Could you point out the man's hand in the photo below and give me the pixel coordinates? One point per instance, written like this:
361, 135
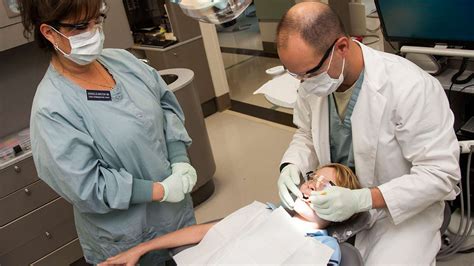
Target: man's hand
289, 178
337, 204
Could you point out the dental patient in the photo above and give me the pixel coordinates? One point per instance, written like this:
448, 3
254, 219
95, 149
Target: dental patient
324, 176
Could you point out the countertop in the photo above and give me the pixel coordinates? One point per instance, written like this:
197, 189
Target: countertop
16, 159
156, 48
185, 76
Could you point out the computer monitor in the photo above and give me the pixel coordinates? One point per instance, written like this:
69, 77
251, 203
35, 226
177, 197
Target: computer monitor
428, 22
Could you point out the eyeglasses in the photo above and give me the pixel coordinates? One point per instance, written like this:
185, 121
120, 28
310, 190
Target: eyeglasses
81, 26
314, 182
315, 69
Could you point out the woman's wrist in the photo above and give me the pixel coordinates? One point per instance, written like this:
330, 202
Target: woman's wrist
158, 191
141, 249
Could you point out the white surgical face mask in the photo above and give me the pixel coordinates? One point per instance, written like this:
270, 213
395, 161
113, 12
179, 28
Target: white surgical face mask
85, 47
322, 84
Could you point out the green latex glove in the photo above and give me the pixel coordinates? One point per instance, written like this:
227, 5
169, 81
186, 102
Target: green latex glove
188, 173
173, 187
288, 181
337, 204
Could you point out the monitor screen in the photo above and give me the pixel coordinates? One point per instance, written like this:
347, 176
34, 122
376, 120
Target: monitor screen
428, 21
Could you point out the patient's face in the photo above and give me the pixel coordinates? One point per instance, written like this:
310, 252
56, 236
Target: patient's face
317, 183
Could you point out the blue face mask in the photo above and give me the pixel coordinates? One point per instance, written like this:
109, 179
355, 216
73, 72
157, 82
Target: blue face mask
85, 47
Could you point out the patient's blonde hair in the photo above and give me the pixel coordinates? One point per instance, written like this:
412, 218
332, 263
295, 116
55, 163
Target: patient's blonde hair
344, 176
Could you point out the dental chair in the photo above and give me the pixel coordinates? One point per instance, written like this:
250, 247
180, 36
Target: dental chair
350, 256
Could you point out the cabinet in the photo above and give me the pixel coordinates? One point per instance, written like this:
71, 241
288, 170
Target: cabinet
191, 55
35, 221
61, 256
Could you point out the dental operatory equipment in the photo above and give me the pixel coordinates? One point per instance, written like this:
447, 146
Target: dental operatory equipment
213, 11
455, 241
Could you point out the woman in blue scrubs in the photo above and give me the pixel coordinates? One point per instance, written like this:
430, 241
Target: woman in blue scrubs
107, 134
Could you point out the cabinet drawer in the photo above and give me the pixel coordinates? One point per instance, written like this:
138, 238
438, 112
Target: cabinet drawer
25, 200
37, 234
41, 245
17, 176
64, 255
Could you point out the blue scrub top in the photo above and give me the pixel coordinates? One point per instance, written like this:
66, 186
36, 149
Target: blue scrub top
340, 132
103, 153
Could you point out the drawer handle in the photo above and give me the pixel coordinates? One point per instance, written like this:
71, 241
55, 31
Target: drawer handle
17, 168
27, 192
48, 235
175, 54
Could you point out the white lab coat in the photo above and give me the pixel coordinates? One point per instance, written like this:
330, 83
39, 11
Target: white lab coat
404, 144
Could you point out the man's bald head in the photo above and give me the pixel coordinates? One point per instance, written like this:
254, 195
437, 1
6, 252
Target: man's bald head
315, 23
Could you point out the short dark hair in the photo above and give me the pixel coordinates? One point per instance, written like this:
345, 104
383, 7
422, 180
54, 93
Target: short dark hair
318, 30
36, 12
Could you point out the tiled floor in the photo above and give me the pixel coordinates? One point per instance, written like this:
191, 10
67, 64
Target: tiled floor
247, 152
246, 77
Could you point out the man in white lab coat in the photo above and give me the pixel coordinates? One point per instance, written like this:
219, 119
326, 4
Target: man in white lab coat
379, 114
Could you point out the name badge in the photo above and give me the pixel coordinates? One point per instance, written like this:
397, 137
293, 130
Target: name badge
93, 95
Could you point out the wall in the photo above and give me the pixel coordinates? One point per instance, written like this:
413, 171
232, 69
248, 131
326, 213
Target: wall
214, 58
269, 14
